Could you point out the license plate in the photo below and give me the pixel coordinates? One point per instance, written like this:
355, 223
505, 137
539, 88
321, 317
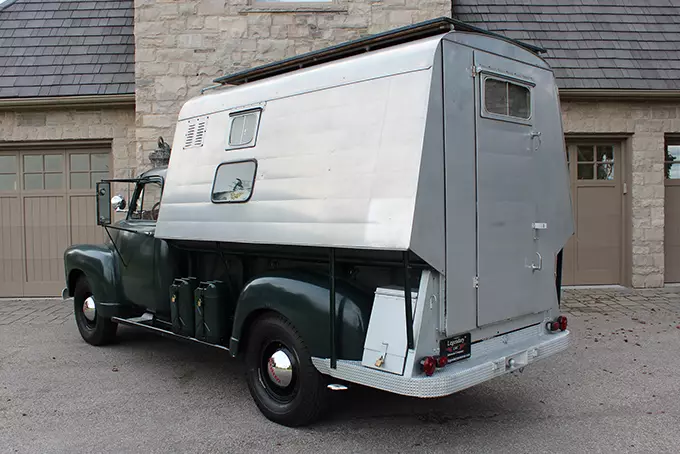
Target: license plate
456, 348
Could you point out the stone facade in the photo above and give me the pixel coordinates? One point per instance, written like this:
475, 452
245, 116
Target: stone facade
643, 127
115, 124
182, 46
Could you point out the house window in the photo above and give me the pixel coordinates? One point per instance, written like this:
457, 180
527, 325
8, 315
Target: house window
672, 161
243, 130
506, 98
234, 182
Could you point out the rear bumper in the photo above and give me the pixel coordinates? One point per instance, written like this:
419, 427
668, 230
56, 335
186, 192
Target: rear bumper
490, 359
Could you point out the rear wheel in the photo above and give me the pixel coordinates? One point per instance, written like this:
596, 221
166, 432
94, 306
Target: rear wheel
95, 329
286, 386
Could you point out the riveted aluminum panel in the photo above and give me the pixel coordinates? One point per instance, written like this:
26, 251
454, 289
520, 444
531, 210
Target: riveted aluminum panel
336, 167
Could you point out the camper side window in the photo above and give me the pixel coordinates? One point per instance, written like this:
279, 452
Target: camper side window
243, 130
234, 182
506, 98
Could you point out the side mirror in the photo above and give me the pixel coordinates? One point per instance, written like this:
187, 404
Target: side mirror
118, 203
103, 203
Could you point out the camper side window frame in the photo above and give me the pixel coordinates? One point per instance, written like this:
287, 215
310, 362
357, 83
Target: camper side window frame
216, 178
528, 85
243, 114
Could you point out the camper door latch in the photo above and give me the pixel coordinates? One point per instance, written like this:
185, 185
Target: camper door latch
536, 226
475, 281
539, 266
535, 140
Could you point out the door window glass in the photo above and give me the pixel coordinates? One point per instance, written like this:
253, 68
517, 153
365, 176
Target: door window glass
147, 205
43, 172
8, 173
595, 162
87, 169
672, 162
506, 98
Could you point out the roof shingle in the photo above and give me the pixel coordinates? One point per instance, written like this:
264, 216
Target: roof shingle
591, 44
66, 48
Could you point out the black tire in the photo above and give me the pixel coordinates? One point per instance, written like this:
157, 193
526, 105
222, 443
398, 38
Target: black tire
102, 330
305, 399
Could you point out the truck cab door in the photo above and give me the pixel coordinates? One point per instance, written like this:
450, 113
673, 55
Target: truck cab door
139, 247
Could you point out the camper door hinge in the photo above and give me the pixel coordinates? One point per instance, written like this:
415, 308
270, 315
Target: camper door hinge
475, 70
475, 281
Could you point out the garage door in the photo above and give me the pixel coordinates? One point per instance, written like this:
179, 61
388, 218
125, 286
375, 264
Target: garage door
46, 204
593, 255
672, 212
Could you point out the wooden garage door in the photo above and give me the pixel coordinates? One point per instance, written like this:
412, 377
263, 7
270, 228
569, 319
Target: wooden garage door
46, 204
593, 255
672, 211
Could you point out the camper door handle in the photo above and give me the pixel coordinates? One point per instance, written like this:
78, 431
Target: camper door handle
540, 263
535, 135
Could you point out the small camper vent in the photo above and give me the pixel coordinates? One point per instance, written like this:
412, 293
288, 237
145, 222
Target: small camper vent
195, 134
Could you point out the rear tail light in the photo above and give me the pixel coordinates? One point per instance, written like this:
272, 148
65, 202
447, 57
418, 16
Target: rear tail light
560, 324
429, 365
442, 361
562, 320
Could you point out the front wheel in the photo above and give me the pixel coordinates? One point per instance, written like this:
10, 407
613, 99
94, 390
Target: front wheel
286, 386
95, 329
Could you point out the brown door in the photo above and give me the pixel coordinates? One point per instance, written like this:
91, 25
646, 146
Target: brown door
672, 212
46, 204
594, 254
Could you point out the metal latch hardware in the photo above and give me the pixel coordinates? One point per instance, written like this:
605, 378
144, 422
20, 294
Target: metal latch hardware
539, 266
475, 281
536, 226
535, 135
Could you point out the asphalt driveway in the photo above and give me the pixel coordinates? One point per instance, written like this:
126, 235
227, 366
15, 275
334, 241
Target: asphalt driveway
616, 390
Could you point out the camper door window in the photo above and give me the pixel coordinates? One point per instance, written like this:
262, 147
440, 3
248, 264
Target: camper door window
506, 98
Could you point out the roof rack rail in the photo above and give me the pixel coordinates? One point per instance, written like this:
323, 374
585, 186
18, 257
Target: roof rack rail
366, 44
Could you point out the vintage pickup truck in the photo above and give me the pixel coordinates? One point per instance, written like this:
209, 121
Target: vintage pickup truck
388, 212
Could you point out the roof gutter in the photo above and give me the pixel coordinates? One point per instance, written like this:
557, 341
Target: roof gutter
57, 102
632, 94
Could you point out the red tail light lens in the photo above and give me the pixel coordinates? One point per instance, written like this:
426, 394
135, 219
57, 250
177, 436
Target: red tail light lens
429, 365
562, 320
558, 325
442, 361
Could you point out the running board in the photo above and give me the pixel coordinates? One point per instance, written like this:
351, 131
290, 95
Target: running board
145, 322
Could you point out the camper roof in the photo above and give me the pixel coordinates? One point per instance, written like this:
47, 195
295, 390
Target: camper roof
361, 45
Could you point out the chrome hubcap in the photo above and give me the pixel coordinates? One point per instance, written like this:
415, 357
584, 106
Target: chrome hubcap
280, 369
88, 309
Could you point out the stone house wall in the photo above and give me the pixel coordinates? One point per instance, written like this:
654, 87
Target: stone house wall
115, 123
643, 126
182, 46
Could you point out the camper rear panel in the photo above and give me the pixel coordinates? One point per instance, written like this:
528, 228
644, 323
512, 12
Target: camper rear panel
507, 189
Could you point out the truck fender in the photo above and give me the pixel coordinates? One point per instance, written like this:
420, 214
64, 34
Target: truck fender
99, 264
304, 300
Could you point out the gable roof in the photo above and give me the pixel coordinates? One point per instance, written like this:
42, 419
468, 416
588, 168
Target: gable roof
66, 48
591, 44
